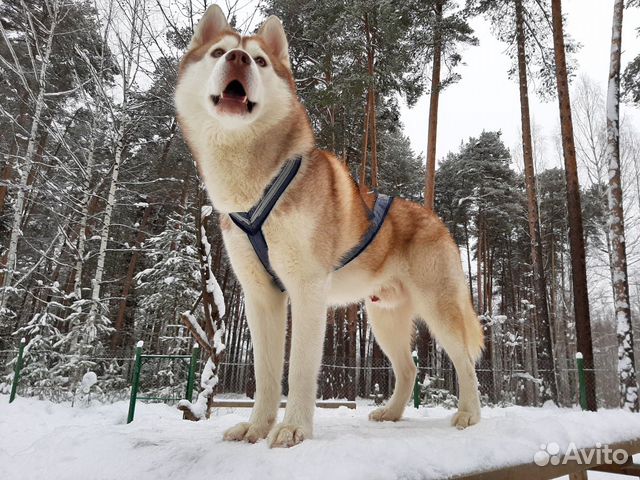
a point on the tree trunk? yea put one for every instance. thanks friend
(327, 373)
(373, 131)
(106, 222)
(26, 170)
(362, 387)
(430, 179)
(7, 172)
(626, 360)
(82, 231)
(479, 267)
(574, 210)
(128, 281)
(370, 131)
(545, 350)
(39, 168)
(365, 145)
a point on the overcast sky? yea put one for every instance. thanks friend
(486, 99)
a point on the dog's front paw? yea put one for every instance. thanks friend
(287, 435)
(462, 419)
(385, 414)
(249, 432)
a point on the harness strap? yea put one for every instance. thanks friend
(251, 222)
(378, 214)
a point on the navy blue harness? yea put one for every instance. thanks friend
(251, 222)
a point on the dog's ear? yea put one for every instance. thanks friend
(273, 34)
(210, 26)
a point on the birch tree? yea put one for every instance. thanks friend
(53, 9)
(626, 359)
(130, 45)
(87, 173)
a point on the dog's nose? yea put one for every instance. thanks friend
(238, 56)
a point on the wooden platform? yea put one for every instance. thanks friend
(230, 403)
(576, 472)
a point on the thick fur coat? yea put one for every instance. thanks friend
(237, 106)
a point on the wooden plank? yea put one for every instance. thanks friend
(579, 475)
(527, 471)
(628, 468)
(220, 403)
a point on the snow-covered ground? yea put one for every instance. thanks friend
(42, 440)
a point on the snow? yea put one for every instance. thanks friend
(195, 325)
(217, 340)
(208, 382)
(89, 379)
(218, 297)
(212, 284)
(54, 441)
(205, 211)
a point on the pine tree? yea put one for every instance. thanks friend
(576, 234)
(524, 23)
(170, 283)
(448, 28)
(40, 355)
(478, 194)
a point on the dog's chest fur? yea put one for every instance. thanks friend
(234, 176)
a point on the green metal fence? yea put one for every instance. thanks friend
(16, 370)
(170, 378)
(140, 358)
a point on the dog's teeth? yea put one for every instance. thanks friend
(244, 99)
(222, 95)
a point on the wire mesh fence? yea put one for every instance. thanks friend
(50, 375)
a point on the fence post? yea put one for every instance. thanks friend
(195, 354)
(135, 382)
(582, 382)
(416, 385)
(16, 370)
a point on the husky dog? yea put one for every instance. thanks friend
(237, 106)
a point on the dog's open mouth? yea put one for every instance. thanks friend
(234, 95)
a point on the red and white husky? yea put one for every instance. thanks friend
(237, 106)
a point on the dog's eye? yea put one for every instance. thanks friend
(261, 61)
(217, 53)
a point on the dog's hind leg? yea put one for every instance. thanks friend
(392, 329)
(455, 326)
